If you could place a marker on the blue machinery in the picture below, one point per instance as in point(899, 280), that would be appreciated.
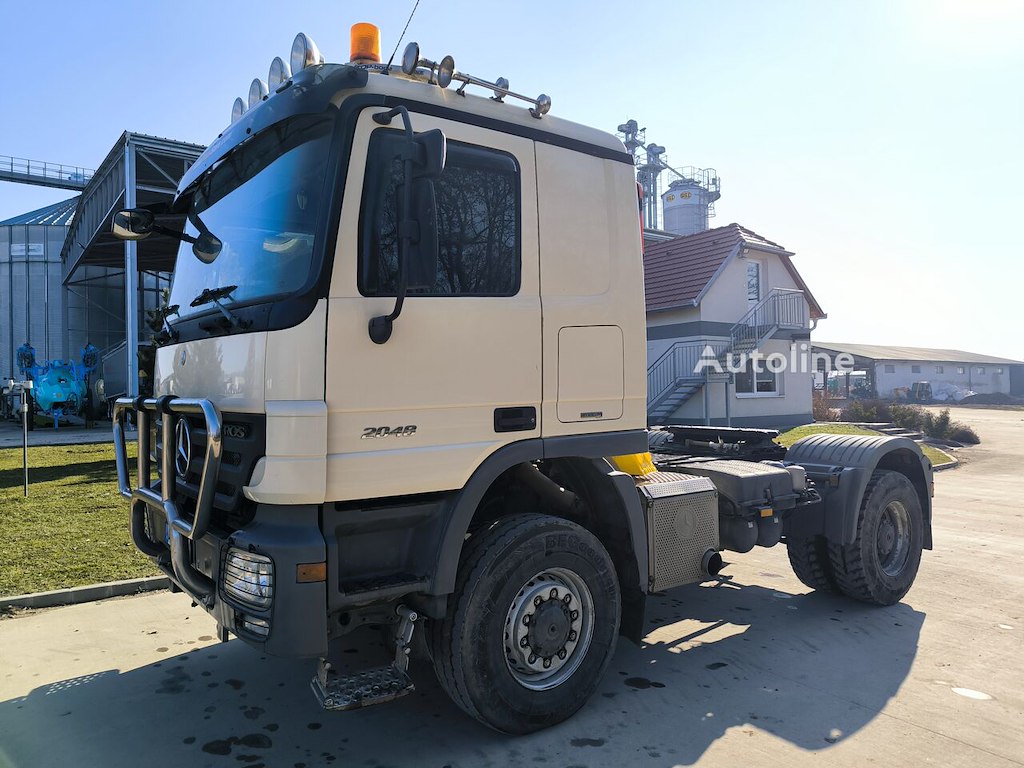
point(60, 387)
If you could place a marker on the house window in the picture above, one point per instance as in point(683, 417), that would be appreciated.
point(476, 202)
point(755, 383)
point(961, 370)
point(981, 370)
point(753, 282)
point(938, 369)
point(890, 369)
point(915, 369)
point(999, 371)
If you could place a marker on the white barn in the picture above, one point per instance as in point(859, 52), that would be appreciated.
point(950, 372)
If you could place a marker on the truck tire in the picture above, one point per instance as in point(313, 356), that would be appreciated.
point(880, 565)
point(810, 561)
point(532, 624)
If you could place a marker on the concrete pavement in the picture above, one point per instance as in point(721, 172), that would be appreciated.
point(11, 435)
point(752, 671)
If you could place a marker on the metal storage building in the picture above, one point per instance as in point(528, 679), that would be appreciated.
point(33, 304)
point(949, 371)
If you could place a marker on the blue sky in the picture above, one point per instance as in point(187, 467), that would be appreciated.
point(879, 141)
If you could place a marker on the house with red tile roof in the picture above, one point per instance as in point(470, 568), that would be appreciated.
point(728, 330)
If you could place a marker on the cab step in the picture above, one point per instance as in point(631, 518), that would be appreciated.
point(360, 689)
point(364, 688)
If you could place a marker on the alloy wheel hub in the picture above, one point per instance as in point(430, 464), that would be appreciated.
point(548, 629)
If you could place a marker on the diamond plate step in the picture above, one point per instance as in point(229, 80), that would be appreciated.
point(360, 689)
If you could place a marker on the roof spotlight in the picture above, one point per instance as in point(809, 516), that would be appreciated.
point(543, 106)
point(257, 92)
point(445, 70)
point(411, 58)
point(304, 53)
point(237, 109)
point(279, 72)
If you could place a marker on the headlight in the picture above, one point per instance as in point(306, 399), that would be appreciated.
point(249, 578)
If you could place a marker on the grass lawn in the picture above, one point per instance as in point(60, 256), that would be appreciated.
point(788, 438)
point(73, 527)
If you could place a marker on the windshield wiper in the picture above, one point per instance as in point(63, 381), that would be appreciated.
point(213, 296)
point(171, 310)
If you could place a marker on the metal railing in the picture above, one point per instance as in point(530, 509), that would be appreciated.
point(781, 308)
point(43, 173)
point(680, 361)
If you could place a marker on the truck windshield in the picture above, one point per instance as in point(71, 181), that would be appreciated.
point(262, 201)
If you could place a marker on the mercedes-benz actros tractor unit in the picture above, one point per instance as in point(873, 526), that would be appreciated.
point(402, 385)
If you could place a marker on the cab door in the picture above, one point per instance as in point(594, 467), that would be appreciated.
point(460, 375)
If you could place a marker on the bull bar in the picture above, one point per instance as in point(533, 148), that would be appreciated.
point(146, 496)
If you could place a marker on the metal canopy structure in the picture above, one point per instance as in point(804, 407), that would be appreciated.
point(138, 171)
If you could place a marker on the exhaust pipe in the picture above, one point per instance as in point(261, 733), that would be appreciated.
point(711, 564)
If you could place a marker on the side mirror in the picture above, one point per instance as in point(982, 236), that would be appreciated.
point(207, 247)
point(132, 224)
point(431, 151)
point(423, 158)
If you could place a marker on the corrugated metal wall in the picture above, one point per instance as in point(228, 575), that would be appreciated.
point(31, 295)
point(95, 306)
point(59, 320)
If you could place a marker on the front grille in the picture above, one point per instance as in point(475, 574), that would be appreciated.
point(243, 443)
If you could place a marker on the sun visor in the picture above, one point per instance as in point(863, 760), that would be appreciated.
point(308, 91)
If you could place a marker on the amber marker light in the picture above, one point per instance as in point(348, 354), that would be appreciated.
point(365, 43)
point(310, 572)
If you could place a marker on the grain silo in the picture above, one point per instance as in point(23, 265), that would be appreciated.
point(33, 304)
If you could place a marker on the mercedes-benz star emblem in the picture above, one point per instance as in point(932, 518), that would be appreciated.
point(182, 447)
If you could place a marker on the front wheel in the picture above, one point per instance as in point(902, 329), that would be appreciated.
point(880, 566)
point(532, 624)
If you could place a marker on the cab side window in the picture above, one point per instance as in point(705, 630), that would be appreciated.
point(478, 221)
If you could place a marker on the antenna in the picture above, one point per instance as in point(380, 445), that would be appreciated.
point(402, 36)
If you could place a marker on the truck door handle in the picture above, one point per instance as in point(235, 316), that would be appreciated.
point(521, 419)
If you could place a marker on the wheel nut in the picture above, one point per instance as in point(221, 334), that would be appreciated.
point(567, 599)
point(533, 659)
point(574, 615)
point(524, 642)
point(572, 635)
point(538, 600)
point(526, 619)
point(554, 593)
point(562, 654)
point(547, 663)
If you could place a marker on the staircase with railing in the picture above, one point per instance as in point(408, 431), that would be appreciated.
point(678, 375)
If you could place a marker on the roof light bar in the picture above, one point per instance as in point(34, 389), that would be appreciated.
point(279, 72)
point(304, 53)
point(442, 73)
point(257, 92)
point(237, 109)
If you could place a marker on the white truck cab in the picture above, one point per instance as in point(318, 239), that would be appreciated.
point(403, 384)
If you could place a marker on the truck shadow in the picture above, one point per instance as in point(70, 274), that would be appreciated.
point(810, 669)
point(85, 473)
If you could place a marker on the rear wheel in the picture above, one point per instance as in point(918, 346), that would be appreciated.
point(880, 566)
point(810, 561)
point(532, 624)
